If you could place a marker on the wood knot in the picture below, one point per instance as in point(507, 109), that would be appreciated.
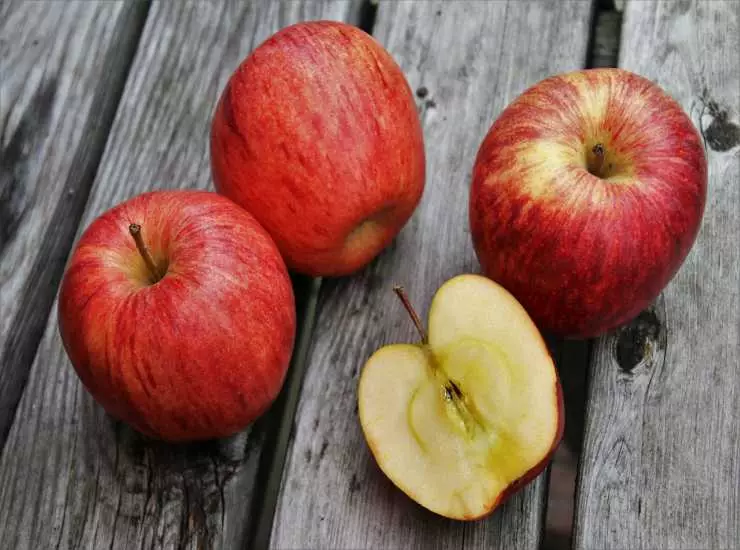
point(722, 134)
point(638, 340)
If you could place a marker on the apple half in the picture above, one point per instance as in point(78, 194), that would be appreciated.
point(473, 413)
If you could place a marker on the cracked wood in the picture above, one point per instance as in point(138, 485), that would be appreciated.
point(661, 457)
point(70, 477)
point(465, 61)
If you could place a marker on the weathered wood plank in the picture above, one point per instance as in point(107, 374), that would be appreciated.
point(69, 476)
point(661, 459)
point(466, 61)
point(56, 109)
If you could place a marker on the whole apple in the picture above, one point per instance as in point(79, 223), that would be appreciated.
point(178, 315)
point(317, 135)
point(587, 194)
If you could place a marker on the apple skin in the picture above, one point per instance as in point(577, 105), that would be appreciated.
point(201, 353)
point(585, 254)
point(317, 135)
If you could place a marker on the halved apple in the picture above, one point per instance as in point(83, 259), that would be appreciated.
point(473, 413)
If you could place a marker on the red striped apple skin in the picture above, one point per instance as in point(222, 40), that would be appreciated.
point(317, 135)
point(199, 354)
point(586, 253)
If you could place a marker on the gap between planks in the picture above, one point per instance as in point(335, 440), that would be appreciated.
point(574, 356)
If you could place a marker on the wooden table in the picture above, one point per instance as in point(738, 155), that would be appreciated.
point(102, 100)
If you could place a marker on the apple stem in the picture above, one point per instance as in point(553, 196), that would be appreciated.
point(598, 163)
point(401, 293)
point(135, 230)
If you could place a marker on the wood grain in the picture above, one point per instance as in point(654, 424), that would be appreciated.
point(56, 109)
point(69, 476)
point(661, 460)
point(465, 61)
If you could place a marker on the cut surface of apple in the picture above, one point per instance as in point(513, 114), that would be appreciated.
point(464, 419)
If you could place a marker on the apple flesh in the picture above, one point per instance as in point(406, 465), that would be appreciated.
point(178, 315)
point(587, 195)
point(317, 135)
point(472, 414)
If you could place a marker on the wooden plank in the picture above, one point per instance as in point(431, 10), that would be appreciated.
point(56, 109)
point(661, 459)
point(466, 61)
point(69, 476)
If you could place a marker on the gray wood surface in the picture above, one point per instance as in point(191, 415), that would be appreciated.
point(465, 61)
point(661, 459)
point(56, 109)
point(70, 477)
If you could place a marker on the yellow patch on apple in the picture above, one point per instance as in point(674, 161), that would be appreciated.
point(471, 414)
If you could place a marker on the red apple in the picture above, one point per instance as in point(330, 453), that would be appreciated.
point(317, 135)
point(178, 315)
point(587, 194)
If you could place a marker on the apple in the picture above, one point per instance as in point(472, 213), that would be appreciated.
point(178, 315)
point(587, 194)
point(473, 413)
point(316, 134)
